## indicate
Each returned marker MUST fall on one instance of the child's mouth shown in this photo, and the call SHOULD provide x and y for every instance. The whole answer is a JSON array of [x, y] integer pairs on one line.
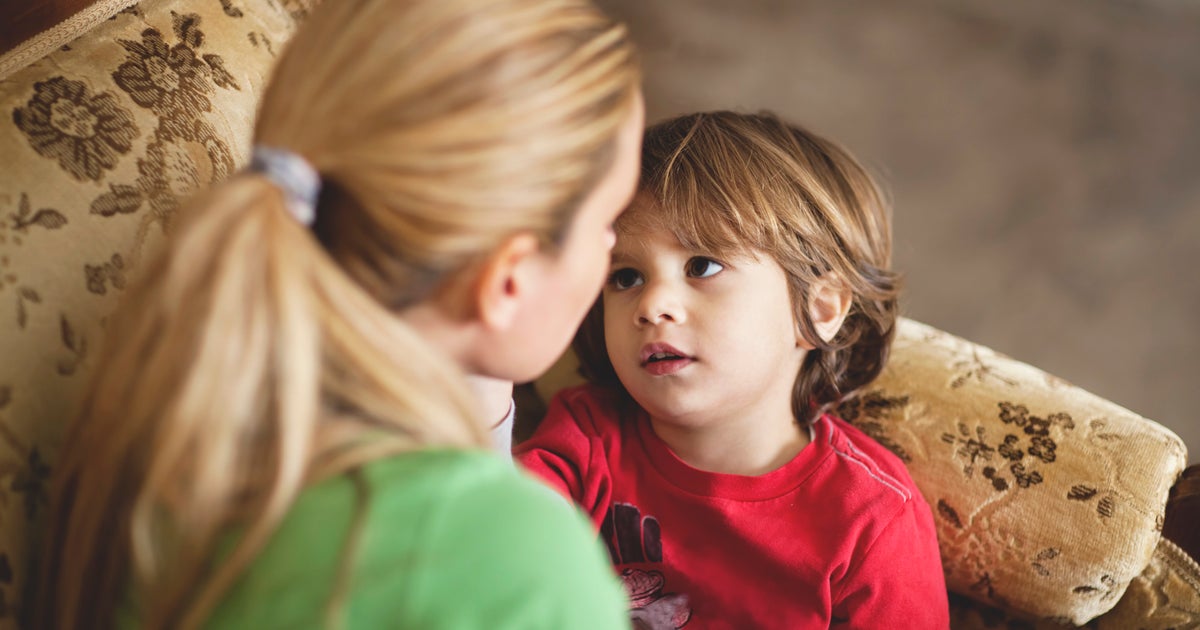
[[668, 364], [661, 359]]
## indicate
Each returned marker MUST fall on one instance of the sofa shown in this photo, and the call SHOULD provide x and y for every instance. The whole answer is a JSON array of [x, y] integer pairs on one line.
[[1053, 505]]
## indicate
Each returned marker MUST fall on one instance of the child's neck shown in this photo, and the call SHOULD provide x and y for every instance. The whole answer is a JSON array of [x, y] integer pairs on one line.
[[747, 445]]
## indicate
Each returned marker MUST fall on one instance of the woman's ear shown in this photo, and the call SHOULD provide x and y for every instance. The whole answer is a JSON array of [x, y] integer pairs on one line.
[[829, 301], [503, 281]]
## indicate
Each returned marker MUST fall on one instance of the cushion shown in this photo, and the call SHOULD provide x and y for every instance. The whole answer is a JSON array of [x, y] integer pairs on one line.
[[1165, 595], [1048, 500], [99, 142]]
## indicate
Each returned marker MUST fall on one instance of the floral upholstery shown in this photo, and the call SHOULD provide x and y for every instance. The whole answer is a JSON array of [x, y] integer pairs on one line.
[[1048, 500], [1166, 595], [99, 142]]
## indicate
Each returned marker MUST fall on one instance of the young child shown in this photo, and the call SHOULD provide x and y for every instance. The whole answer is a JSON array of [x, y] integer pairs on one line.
[[749, 293]]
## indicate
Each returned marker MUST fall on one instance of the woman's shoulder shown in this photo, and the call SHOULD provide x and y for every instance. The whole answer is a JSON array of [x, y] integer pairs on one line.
[[439, 488], [431, 538], [426, 498], [488, 534]]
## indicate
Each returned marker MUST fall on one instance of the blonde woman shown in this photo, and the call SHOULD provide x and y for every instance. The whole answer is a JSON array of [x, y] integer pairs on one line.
[[280, 433]]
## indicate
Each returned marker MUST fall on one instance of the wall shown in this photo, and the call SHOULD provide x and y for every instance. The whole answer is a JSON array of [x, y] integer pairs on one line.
[[1044, 159]]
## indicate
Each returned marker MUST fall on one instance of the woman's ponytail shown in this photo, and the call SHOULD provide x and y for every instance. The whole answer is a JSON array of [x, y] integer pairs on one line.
[[255, 354], [207, 412]]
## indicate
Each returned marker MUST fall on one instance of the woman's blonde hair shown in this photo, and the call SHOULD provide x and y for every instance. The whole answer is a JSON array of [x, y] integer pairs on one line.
[[728, 183], [255, 356]]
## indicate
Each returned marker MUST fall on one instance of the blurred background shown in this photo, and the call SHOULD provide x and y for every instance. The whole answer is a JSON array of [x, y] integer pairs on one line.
[[1043, 157]]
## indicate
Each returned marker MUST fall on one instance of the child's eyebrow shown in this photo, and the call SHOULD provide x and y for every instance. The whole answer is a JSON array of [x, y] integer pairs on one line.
[[618, 258]]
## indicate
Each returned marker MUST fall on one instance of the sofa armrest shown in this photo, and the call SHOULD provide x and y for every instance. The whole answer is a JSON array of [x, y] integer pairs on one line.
[[1049, 500]]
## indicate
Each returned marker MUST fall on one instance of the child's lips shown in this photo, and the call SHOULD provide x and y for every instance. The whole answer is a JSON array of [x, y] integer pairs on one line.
[[659, 351], [663, 358], [666, 366]]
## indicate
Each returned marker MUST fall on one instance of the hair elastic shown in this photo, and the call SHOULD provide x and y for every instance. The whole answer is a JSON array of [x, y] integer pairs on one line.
[[293, 175]]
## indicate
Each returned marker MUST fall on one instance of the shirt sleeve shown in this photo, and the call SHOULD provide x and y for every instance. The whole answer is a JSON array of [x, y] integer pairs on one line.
[[535, 566], [898, 581], [560, 451]]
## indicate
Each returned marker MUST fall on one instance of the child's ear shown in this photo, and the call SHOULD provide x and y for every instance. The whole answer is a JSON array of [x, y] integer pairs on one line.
[[503, 281], [829, 301]]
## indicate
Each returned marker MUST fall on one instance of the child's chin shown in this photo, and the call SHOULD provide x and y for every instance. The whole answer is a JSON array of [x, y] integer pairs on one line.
[[667, 411]]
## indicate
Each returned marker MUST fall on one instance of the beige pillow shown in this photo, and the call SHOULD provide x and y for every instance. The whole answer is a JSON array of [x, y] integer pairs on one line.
[[1165, 596], [99, 142], [1048, 500]]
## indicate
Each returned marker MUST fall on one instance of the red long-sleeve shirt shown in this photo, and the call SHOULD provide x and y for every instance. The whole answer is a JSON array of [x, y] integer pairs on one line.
[[839, 536]]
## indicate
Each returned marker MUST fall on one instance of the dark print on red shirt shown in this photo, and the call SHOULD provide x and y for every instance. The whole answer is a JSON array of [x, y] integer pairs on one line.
[[632, 538]]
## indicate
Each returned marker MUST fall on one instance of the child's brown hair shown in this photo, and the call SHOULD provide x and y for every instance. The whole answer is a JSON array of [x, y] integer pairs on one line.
[[725, 182]]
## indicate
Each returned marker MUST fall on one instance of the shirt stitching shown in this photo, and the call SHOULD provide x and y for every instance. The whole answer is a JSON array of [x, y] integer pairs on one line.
[[890, 482]]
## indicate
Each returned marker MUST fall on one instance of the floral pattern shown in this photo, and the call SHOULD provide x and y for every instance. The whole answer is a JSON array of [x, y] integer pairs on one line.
[[25, 218], [16, 225], [169, 80], [1165, 595], [996, 445], [30, 483], [974, 448], [976, 368], [176, 82], [85, 133], [863, 409], [101, 141], [28, 478], [98, 276]]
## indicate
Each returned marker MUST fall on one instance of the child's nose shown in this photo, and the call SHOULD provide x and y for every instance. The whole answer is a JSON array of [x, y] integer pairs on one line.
[[659, 303]]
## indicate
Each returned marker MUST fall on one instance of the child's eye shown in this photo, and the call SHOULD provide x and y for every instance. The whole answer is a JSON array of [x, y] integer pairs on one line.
[[626, 278], [700, 267]]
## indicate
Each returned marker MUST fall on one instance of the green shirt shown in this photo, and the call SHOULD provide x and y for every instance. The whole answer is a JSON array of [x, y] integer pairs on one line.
[[448, 539]]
